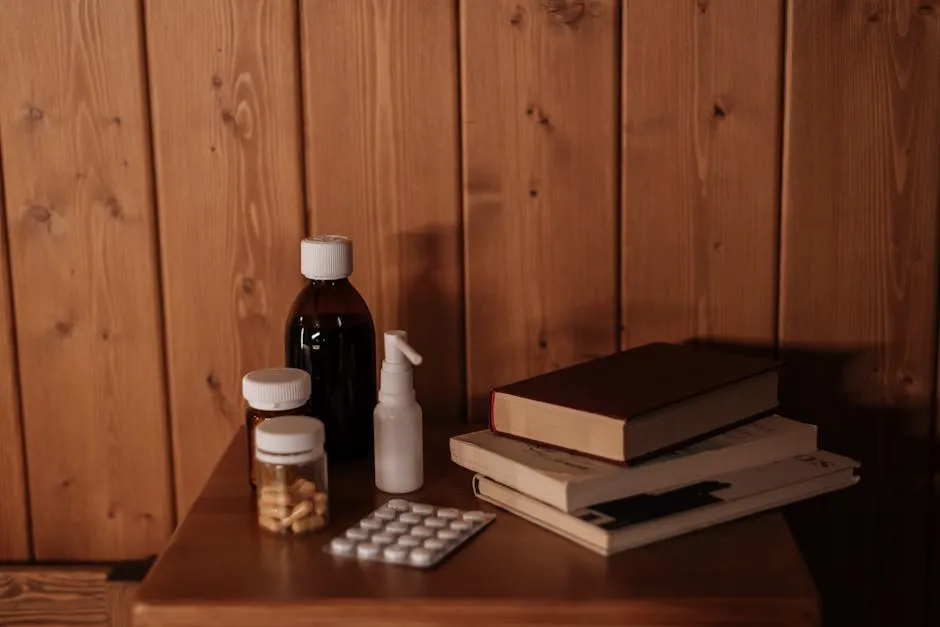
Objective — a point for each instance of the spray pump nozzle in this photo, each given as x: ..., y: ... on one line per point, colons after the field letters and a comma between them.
x: 397, y: 349
x: 396, y: 378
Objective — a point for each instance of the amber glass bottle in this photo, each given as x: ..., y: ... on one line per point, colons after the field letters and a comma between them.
x: 270, y: 393
x: 331, y: 335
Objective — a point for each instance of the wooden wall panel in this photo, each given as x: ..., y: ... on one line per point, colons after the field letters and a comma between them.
x: 380, y: 104
x: 84, y: 274
x: 225, y: 99
x: 859, y: 286
x: 540, y: 100
x: 701, y: 165
x: 14, y: 532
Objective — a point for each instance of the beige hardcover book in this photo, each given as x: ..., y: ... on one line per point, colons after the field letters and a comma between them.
x: 569, y: 481
x: 643, y: 519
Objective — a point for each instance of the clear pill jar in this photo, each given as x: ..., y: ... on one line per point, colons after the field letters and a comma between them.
x: 269, y: 393
x: 292, y: 475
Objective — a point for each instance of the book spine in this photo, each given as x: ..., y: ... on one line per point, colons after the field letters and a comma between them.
x: 490, y: 419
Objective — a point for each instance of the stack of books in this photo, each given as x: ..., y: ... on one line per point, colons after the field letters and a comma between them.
x: 644, y: 445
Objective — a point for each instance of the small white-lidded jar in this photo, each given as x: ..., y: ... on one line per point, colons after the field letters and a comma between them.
x: 269, y: 393
x: 291, y: 475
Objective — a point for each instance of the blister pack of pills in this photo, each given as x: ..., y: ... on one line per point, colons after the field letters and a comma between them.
x: 411, y: 534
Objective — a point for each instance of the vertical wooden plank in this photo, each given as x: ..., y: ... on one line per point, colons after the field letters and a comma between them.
x: 84, y: 275
x: 380, y: 104
x: 14, y: 532
x: 225, y: 100
x: 701, y: 165
x: 540, y: 106
x: 859, y: 286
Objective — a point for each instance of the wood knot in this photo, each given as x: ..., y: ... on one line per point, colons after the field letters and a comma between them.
x: 227, y: 118
x: 116, y: 120
x: 212, y: 380
x: 216, y: 81
x: 543, y: 340
x: 926, y: 9
x: 34, y: 113
x: 702, y: 6
x: 567, y: 12
x: 248, y: 286
x: 518, y: 16
x: 39, y: 213
x: 105, y: 334
x: 115, y: 210
x: 718, y: 112
x: 64, y: 327
x: 876, y: 12
x: 538, y: 114
x: 533, y: 193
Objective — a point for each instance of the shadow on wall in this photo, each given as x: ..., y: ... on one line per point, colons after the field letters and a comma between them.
x: 431, y: 310
x: 865, y: 545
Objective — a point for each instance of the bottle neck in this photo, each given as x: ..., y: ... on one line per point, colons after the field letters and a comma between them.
x: 329, y: 282
x: 396, y: 384
x: 398, y: 398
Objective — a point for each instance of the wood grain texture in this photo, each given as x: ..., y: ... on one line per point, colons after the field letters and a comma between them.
x: 701, y: 164
x: 512, y: 573
x: 37, y: 596
x: 539, y: 99
x: 84, y: 273
x: 380, y: 103
x: 120, y: 597
x: 859, y: 286
x: 225, y: 101
x: 14, y: 532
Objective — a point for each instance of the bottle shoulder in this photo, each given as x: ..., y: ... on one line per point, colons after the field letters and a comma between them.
x: 391, y: 409
x: 330, y: 298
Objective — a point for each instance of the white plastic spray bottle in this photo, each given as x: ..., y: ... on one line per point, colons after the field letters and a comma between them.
x: 399, y: 459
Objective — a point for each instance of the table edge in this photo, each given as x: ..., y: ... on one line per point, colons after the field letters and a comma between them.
x: 796, y: 611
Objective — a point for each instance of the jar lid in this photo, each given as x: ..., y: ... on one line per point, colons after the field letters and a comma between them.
x: 289, y: 436
x: 326, y: 257
x: 275, y: 389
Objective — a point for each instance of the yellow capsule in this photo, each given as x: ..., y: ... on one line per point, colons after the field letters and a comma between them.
x: 303, y: 487
x: 300, y: 510
x: 320, y: 503
x: 274, y: 488
x: 270, y: 524
x: 274, y: 511
x: 274, y: 498
x: 303, y: 525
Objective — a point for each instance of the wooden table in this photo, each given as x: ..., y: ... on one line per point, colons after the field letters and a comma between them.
x: 220, y: 570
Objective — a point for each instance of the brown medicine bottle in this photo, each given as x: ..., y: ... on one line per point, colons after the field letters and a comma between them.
x: 331, y: 335
x: 270, y: 393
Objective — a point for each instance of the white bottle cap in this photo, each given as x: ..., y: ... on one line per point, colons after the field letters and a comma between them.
x: 289, y: 440
x: 326, y: 257
x: 276, y: 389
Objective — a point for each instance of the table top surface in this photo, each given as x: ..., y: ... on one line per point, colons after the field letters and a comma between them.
x: 221, y: 569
